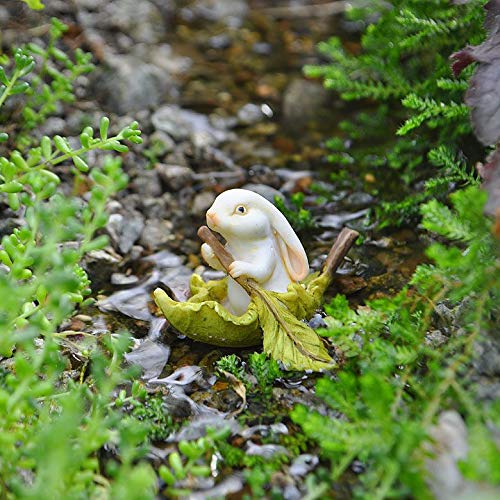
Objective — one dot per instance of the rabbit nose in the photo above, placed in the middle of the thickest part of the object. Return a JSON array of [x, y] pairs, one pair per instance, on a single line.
[[212, 218]]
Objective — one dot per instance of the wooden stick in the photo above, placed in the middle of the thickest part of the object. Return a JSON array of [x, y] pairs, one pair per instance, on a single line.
[[225, 258], [339, 250]]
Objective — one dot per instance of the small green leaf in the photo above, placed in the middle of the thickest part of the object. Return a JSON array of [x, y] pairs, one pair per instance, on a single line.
[[167, 476], [4, 257], [62, 144], [34, 4], [20, 88], [176, 464], [80, 164], [11, 187], [104, 125], [287, 339], [3, 76], [85, 140], [46, 145], [13, 201], [3, 136]]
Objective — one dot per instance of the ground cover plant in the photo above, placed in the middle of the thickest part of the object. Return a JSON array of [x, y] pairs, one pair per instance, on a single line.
[[52, 427], [399, 377]]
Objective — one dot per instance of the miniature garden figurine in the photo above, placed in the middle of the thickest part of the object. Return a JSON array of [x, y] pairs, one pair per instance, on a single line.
[[261, 240], [268, 290]]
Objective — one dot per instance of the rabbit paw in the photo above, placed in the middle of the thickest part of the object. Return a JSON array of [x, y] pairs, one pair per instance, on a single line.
[[210, 258], [240, 268]]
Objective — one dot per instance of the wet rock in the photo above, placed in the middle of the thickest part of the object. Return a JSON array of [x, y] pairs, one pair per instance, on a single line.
[[222, 41], [100, 265], [303, 464], [435, 338], [126, 84], [230, 12], [198, 428], [359, 200], [125, 229], [250, 114], [54, 125], [336, 221], [186, 376], [160, 143], [224, 489], [487, 357], [202, 202], [268, 192], [121, 279], [265, 450], [317, 321], [159, 207], [165, 259], [293, 180], [147, 183], [156, 233], [174, 177], [142, 21], [163, 57], [303, 101], [150, 356], [450, 446], [183, 124]]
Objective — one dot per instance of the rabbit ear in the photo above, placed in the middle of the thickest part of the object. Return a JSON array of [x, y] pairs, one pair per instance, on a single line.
[[292, 252]]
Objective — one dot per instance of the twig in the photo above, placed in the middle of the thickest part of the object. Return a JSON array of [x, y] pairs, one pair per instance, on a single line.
[[339, 250]]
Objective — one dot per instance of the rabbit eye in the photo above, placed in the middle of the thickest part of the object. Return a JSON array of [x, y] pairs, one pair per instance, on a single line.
[[241, 209]]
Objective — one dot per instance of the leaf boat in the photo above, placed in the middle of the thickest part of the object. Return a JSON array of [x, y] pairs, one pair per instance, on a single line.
[[204, 318]]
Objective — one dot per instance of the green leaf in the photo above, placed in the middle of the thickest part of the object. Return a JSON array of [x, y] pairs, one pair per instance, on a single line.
[[3, 76], [62, 144], [287, 339], [34, 4], [80, 164], [104, 125], [20, 88], [46, 145]]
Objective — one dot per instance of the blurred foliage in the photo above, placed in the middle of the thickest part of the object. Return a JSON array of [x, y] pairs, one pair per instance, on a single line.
[[397, 380], [413, 356], [403, 69], [54, 423]]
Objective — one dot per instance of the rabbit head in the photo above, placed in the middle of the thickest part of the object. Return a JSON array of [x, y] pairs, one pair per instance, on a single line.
[[239, 214]]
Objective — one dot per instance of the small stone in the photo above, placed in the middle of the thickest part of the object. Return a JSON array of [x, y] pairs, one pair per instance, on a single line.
[[174, 177], [127, 84], [121, 279], [160, 143], [124, 230], [147, 183], [142, 21], [155, 234], [303, 101], [250, 114], [202, 202], [182, 124], [268, 192]]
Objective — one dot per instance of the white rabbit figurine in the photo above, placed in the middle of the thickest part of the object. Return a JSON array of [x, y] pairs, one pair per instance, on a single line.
[[263, 243]]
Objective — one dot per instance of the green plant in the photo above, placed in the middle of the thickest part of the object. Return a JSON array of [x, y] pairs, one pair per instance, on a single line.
[[191, 461], [396, 381], [403, 68], [299, 217], [52, 427], [266, 371]]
